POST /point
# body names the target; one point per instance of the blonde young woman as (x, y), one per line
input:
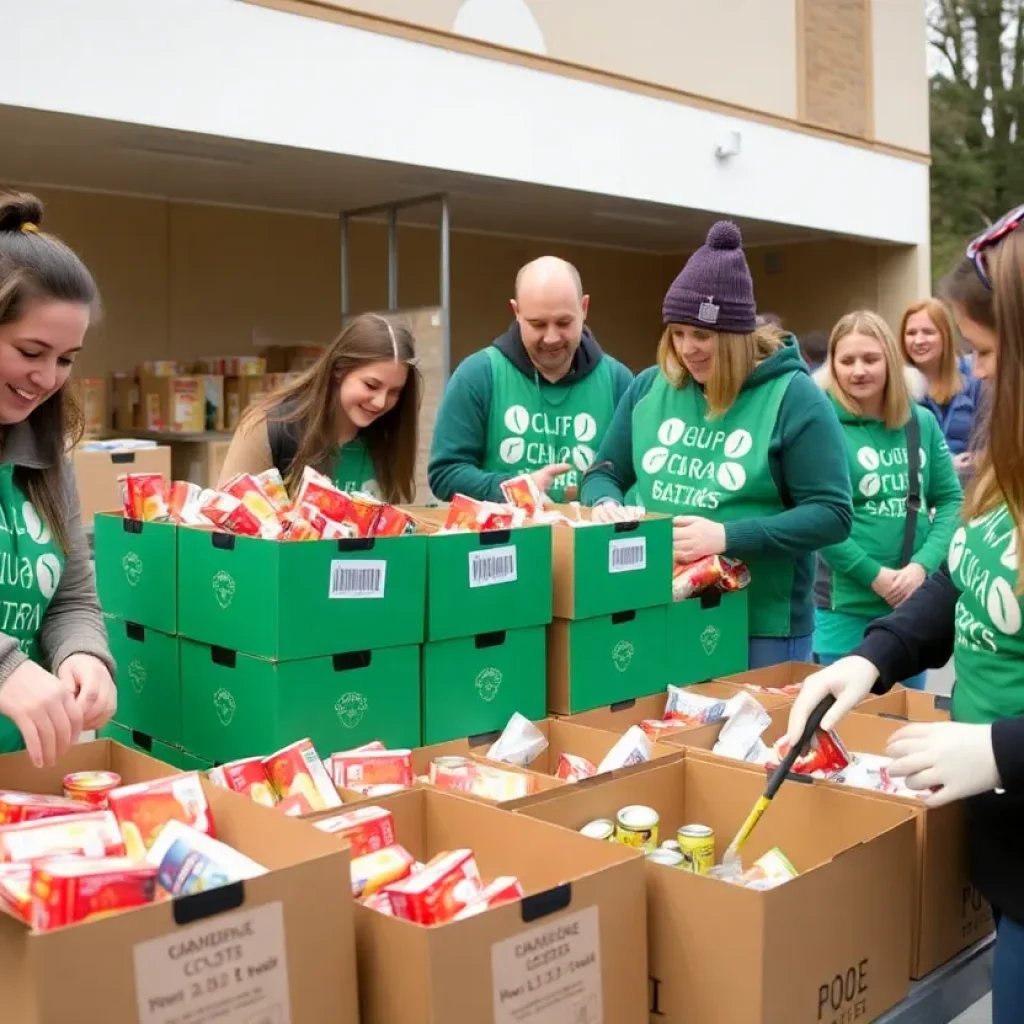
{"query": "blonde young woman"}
(952, 394)
(729, 434)
(902, 526)
(353, 416)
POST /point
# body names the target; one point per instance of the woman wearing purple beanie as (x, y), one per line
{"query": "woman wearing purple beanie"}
(729, 434)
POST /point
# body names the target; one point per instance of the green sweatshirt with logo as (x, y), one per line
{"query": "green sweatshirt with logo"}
(877, 461)
(772, 469)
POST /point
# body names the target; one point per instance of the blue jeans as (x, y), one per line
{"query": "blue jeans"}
(765, 651)
(1008, 973)
(913, 683)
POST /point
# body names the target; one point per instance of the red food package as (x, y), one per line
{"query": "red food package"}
(366, 829)
(66, 891)
(143, 809)
(16, 807)
(393, 522)
(524, 493)
(825, 757)
(504, 889)
(469, 514)
(572, 768)
(372, 768)
(217, 507)
(295, 806)
(181, 494)
(735, 575)
(94, 834)
(244, 522)
(248, 490)
(695, 577)
(363, 513)
(379, 901)
(371, 872)
(142, 496)
(655, 728)
(318, 491)
(297, 770)
(247, 777)
(437, 893)
(16, 890)
(273, 487)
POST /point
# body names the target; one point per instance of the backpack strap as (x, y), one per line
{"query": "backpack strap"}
(913, 488)
(283, 445)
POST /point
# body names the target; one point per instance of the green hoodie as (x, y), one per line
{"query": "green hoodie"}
(771, 468)
(877, 460)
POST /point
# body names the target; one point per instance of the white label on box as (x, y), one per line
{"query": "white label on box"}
(229, 969)
(495, 565)
(627, 555)
(352, 578)
(550, 974)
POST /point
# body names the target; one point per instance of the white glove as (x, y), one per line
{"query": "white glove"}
(951, 759)
(849, 680)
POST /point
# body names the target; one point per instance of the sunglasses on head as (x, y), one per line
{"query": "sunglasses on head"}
(991, 236)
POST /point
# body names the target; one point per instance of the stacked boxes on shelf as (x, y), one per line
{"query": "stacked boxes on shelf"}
(612, 587)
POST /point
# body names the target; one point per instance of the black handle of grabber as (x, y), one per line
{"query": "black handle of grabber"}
(780, 773)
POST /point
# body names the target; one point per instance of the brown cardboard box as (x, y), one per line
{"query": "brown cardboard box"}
(291, 930)
(577, 940)
(776, 677)
(239, 394)
(96, 474)
(912, 705)
(93, 394)
(831, 945)
(126, 401)
(173, 404)
(198, 462)
(949, 913)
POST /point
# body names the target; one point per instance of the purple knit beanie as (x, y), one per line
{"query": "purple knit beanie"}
(714, 290)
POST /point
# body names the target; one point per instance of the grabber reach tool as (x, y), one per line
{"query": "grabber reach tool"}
(777, 777)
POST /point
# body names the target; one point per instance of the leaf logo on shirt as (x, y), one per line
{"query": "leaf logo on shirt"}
(48, 574)
(1003, 607)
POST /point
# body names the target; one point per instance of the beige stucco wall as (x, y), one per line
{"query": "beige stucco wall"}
(899, 73)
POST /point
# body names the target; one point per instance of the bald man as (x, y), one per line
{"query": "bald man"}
(537, 400)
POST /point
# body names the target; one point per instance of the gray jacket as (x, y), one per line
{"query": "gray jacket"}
(73, 623)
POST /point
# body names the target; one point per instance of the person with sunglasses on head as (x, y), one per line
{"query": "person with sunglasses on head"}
(730, 436)
(970, 610)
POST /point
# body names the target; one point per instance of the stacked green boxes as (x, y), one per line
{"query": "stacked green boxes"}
(707, 637)
(488, 602)
(612, 588)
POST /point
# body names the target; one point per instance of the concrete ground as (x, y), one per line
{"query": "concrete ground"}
(980, 1012)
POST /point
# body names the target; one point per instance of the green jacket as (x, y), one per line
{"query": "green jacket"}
(807, 463)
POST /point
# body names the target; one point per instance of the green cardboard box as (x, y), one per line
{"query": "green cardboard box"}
(166, 752)
(707, 637)
(474, 684)
(608, 658)
(241, 706)
(611, 567)
(486, 582)
(148, 680)
(289, 601)
(137, 570)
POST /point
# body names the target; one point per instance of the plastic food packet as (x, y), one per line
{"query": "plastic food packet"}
(68, 890)
(180, 496)
(188, 861)
(632, 747)
(316, 490)
(523, 492)
(16, 890)
(655, 728)
(296, 770)
(572, 768)
(768, 871)
(379, 901)
(504, 889)
(735, 575)
(248, 491)
(273, 487)
(480, 516)
(246, 776)
(693, 578)
(371, 872)
(94, 834)
(144, 809)
(746, 722)
(393, 522)
(16, 807)
(825, 758)
(363, 512)
(372, 768)
(487, 781)
(685, 708)
(142, 496)
(366, 829)
(520, 742)
(436, 894)
(871, 771)
(790, 689)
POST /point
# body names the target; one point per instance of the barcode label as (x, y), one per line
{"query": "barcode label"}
(627, 555)
(498, 565)
(350, 578)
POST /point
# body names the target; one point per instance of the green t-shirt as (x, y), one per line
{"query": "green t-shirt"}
(31, 565)
(353, 469)
(533, 424)
(689, 464)
(988, 655)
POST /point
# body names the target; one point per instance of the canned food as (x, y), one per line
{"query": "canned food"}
(697, 845)
(637, 826)
(670, 844)
(601, 828)
(91, 788)
(670, 858)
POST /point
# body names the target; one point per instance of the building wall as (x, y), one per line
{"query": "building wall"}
(184, 280)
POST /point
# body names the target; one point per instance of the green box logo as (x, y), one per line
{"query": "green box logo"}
(350, 709)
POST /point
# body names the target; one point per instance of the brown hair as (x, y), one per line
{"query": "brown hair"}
(950, 379)
(39, 267)
(896, 398)
(999, 476)
(311, 405)
(736, 356)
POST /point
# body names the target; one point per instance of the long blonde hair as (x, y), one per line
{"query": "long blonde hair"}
(896, 405)
(736, 356)
(950, 378)
(310, 406)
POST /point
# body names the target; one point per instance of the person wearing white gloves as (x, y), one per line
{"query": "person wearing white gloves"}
(973, 610)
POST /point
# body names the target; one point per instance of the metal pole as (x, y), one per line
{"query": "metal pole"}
(343, 232)
(446, 256)
(393, 260)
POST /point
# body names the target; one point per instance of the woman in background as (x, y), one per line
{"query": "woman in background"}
(353, 416)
